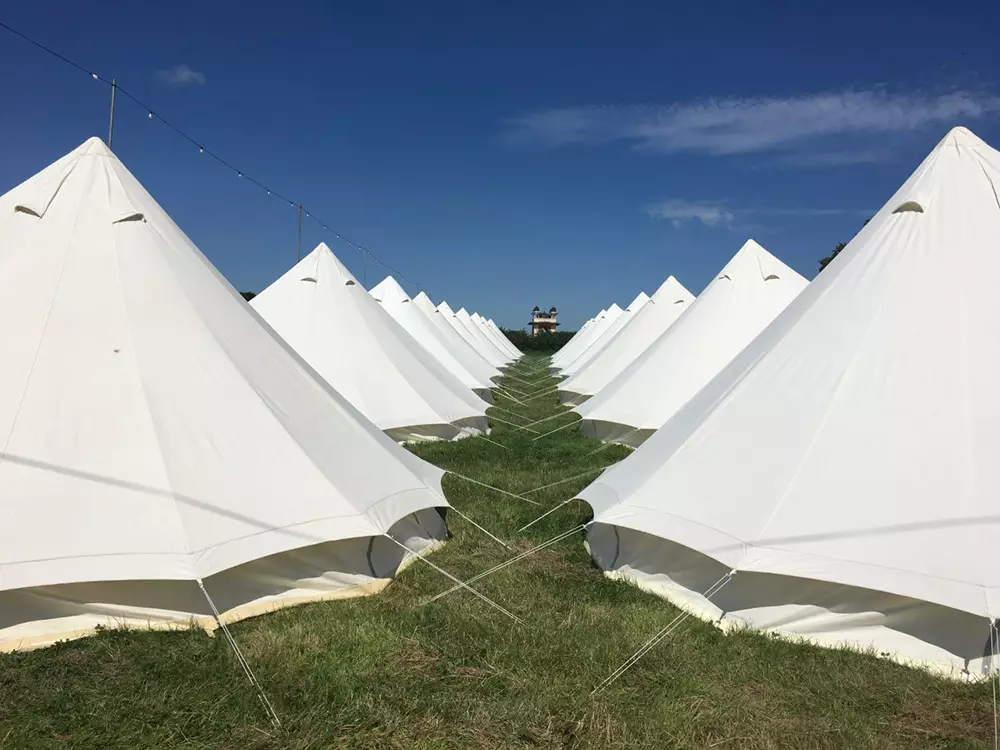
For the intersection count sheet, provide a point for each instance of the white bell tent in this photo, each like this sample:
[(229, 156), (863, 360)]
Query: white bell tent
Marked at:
[(398, 304), (461, 348), (496, 336), (572, 348), (503, 337), (587, 338), (478, 335), (740, 301), (586, 324), (474, 321), (488, 353), (318, 307), (664, 308), (493, 330), (610, 334), (845, 463), (159, 436)]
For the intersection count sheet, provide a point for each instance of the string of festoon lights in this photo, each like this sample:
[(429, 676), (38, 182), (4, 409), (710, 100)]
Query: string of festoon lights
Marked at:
[(151, 114)]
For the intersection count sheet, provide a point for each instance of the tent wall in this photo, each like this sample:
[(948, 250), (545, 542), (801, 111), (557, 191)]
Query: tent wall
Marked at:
[(37, 617), (907, 630)]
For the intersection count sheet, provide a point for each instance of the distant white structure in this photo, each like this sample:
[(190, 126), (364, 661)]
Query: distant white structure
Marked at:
[(543, 321)]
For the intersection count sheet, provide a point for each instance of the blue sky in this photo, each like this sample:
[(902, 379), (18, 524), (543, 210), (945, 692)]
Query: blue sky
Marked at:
[(503, 155)]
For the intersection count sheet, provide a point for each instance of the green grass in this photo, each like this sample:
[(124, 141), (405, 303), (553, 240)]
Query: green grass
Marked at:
[(391, 672)]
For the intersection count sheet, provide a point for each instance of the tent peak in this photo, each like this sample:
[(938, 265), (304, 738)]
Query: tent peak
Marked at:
[(753, 259), (322, 260), (640, 298), (389, 289), (962, 136), (94, 146), (119, 200), (670, 291)]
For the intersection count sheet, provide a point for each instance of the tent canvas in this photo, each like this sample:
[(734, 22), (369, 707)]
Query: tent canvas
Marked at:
[(572, 348), (602, 321), (318, 307), (845, 462), (398, 304), (461, 348), (158, 434), (488, 353), (611, 332), (478, 335), (493, 330), (496, 336), (741, 300), (665, 307), (576, 340)]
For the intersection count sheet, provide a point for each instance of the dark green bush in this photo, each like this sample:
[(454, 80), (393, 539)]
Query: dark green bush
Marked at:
[(543, 342)]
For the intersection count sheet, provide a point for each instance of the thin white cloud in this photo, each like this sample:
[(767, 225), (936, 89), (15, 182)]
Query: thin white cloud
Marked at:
[(181, 75), (808, 211), (677, 212), (713, 213), (845, 158), (752, 125)]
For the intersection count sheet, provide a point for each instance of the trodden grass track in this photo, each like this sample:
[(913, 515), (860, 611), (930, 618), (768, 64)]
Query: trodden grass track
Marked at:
[(392, 671)]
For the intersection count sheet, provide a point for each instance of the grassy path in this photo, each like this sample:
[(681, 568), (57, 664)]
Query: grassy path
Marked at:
[(391, 671)]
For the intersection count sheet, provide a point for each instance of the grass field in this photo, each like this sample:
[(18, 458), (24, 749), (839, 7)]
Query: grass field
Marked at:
[(390, 671)]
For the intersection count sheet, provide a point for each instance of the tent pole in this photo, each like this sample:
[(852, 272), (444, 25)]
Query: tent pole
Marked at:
[(111, 122), (298, 250)]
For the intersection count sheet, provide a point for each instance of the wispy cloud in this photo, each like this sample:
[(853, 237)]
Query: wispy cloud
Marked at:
[(181, 75), (677, 212), (804, 212), (754, 125), (844, 158), (713, 213)]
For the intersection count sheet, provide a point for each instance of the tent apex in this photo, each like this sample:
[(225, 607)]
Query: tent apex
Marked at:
[(94, 146)]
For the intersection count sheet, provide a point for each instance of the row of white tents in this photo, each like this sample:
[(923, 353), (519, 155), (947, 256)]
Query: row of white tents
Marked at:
[(166, 452), (383, 353), (616, 372), (818, 460)]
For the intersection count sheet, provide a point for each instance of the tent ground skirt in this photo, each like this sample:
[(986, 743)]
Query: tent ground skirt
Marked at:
[(909, 631), (422, 433), (569, 398), (37, 617), (614, 432)]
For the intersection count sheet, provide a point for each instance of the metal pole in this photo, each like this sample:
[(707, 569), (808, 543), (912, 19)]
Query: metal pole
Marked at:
[(111, 123), (298, 251)]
